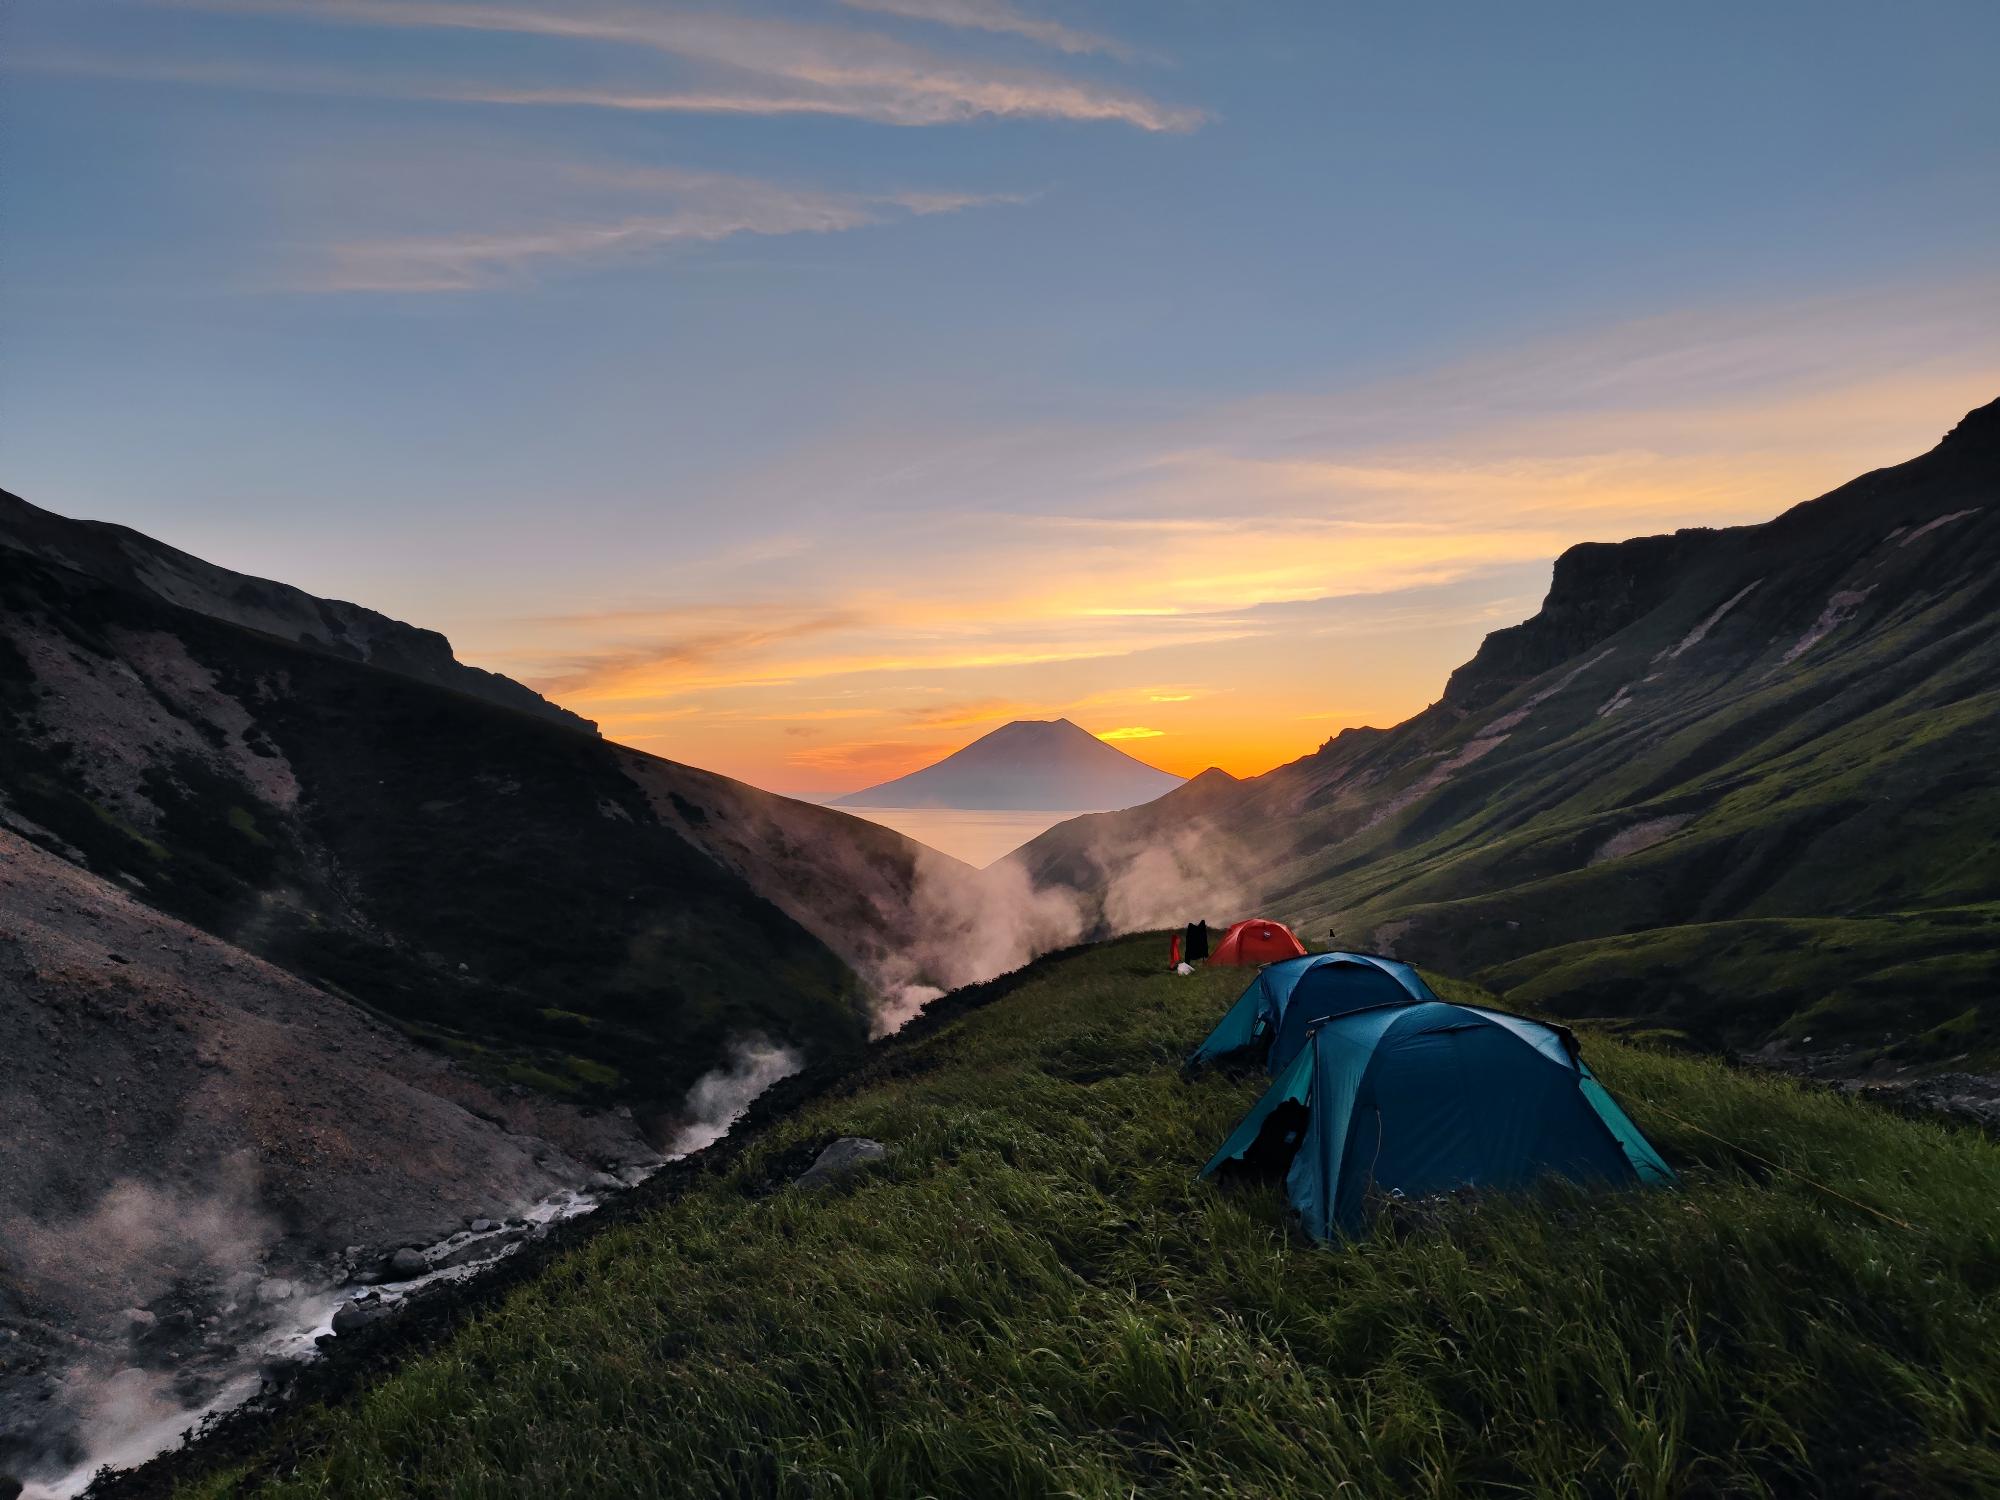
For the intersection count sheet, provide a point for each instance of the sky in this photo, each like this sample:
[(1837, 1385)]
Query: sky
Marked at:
[(803, 389)]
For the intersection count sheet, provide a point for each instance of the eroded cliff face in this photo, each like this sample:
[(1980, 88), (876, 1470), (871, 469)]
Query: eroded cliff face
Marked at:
[(1597, 589)]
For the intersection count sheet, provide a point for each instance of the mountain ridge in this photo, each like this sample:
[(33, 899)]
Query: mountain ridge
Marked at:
[(131, 560), (1790, 722)]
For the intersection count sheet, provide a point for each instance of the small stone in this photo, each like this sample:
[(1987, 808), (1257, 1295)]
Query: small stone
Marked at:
[(139, 1320), (844, 1158), (484, 1226)]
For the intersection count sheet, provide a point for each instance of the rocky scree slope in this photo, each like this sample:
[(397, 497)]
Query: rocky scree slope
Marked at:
[(1749, 742)]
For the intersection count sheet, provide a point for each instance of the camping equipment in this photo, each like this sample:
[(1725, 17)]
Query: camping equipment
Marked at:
[(1426, 1098), (1257, 941), (1287, 998)]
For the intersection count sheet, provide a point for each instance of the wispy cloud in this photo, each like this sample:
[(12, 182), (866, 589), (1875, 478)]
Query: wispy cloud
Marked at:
[(747, 65), (999, 17), (880, 757), (690, 658), (891, 648), (699, 207), (978, 711), (1132, 732)]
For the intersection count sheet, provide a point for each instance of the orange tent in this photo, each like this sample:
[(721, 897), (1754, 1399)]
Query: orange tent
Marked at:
[(1257, 942)]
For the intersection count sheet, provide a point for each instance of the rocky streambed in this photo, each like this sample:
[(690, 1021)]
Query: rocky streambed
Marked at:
[(117, 1394), (202, 1157)]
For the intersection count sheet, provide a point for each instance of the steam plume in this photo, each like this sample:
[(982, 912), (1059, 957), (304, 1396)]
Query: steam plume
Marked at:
[(719, 1098), (968, 925)]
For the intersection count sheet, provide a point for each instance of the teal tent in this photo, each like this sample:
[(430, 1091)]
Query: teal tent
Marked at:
[(1287, 998), (1425, 1098)]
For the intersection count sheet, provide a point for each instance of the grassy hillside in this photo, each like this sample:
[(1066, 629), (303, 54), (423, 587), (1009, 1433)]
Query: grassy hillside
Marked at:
[(1035, 1297), (1932, 971)]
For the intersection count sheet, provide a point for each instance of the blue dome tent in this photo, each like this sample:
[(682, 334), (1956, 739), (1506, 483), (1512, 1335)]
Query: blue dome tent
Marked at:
[(1286, 999), (1427, 1097)]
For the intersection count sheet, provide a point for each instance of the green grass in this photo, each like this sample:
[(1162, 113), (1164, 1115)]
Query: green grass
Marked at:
[(1035, 1297), (1916, 986)]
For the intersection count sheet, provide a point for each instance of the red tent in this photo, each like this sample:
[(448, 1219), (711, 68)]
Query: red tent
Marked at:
[(1257, 942)]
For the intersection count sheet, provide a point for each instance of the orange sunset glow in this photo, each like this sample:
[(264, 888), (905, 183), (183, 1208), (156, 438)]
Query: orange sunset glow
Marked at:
[(1338, 584)]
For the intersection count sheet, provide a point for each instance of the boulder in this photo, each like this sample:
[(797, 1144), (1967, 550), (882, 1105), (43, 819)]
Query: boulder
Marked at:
[(364, 1311), (843, 1159), (406, 1263)]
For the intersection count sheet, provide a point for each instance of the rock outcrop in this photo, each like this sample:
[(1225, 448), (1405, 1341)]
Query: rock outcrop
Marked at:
[(845, 1158)]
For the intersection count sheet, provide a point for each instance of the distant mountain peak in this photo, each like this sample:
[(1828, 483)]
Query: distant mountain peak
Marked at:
[(1021, 727), (1044, 765)]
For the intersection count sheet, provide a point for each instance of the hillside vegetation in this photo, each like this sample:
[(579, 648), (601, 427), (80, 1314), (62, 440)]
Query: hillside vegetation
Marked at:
[(1034, 1296), (1702, 745)]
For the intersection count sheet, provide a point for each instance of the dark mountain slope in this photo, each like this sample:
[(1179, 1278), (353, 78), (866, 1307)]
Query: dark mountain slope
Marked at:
[(136, 563), (1794, 720), (304, 960), (853, 884), (1048, 765), (494, 882)]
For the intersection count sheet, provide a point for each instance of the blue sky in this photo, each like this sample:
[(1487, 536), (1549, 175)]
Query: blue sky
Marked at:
[(802, 389)]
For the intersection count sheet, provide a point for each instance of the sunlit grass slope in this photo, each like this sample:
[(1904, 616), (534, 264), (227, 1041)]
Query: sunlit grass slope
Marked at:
[(1035, 1297)]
